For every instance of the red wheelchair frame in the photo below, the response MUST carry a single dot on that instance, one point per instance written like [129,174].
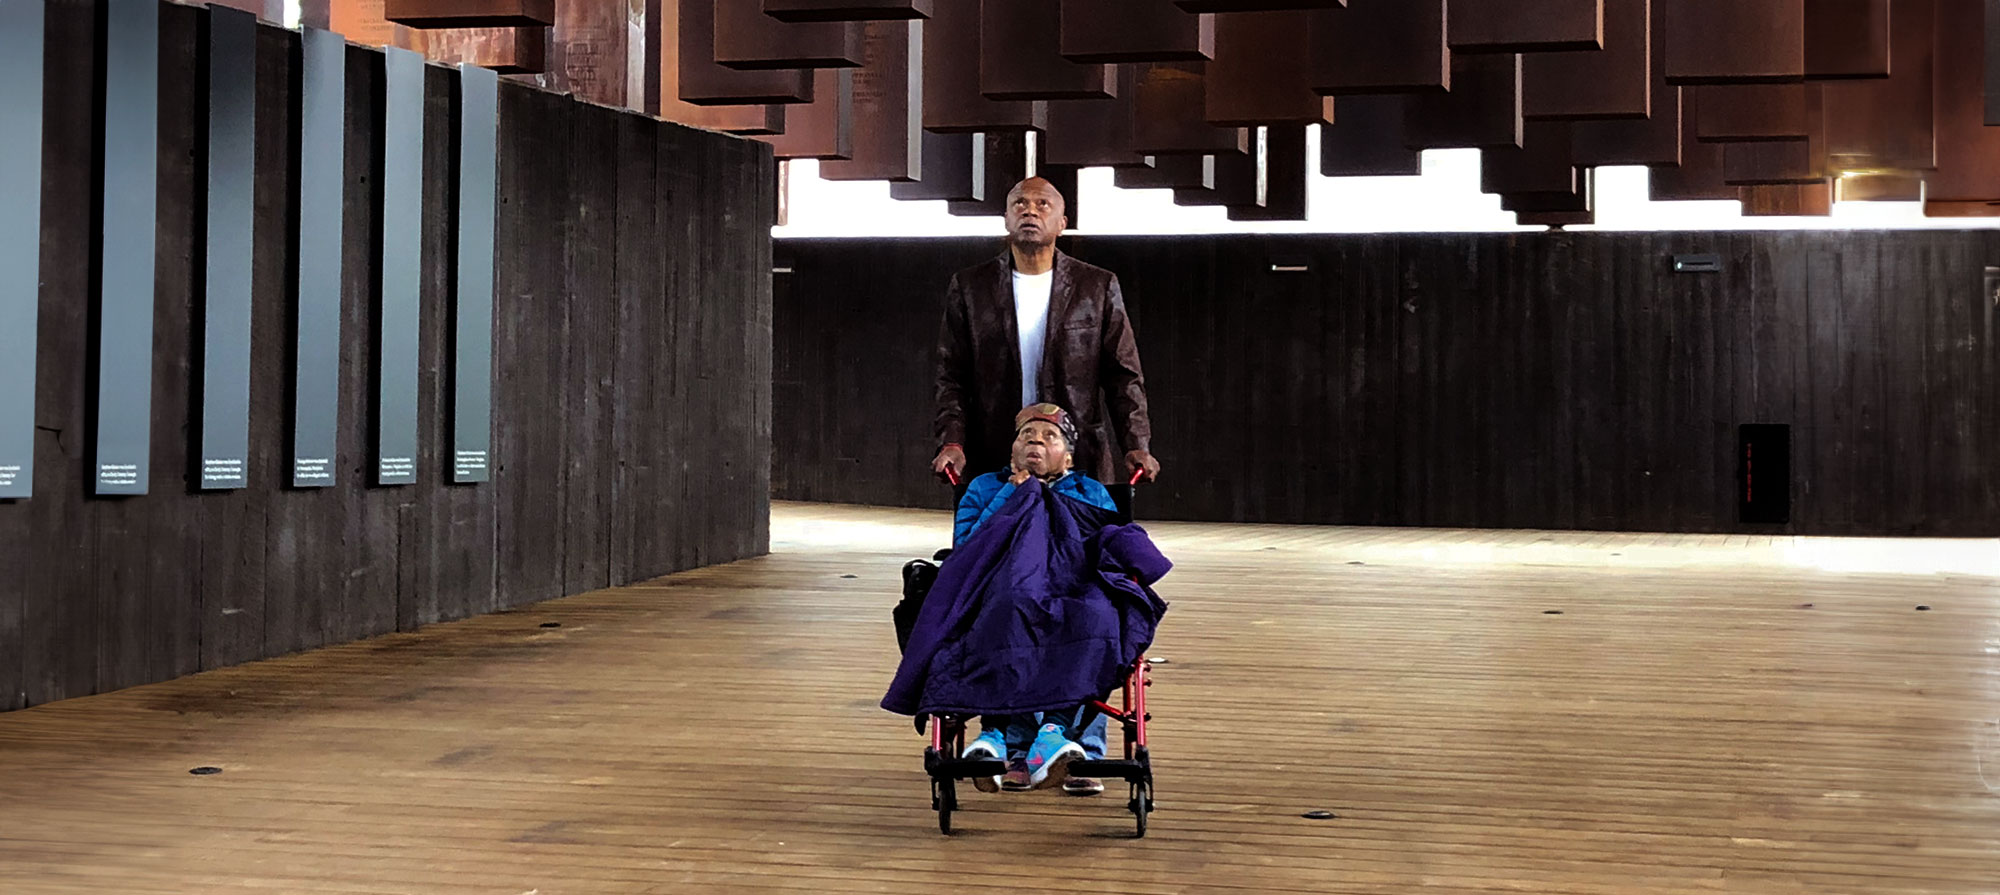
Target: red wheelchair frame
[947,733]
[1136,768]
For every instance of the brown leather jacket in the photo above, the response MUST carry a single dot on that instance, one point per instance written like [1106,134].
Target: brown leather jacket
[1090,366]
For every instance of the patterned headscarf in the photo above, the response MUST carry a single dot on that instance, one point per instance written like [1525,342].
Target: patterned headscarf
[1051,414]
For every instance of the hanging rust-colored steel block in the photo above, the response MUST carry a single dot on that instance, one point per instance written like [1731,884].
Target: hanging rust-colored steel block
[954,170]
[953,102]
[1482,109]
[1736,113]
[1855,187]
[1262,72]
[746,38]
[1802,200]
[1525,26]
[1283,175]
[1020,55]
[1889,123]
[1773,162]
[509,51]
[1093,132]
[1614,82]
[1366,140]
[824,128]
[1968,151]
[1654,141]
[1555,220]
[1170,172]
[845,10]
[470,13]
[1256,5]
[1169,113]
[1735,41]
[1006,164]
[1134,31]
[888,106]
[704,82]
[1699,174]
[1848,38]
[1381,46]
[1544,163]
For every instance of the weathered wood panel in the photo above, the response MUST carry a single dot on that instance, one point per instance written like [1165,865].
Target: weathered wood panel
[588,488]
[1496,380]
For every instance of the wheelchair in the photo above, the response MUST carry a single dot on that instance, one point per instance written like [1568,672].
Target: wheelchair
[947,731]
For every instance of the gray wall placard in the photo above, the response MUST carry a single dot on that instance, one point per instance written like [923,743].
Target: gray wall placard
[402,269]
[131,198]
[232,158]
[472,355]
[21,36]
[322,132]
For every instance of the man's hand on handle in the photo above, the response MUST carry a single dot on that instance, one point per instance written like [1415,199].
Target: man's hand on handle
[950,463]
[1143,464]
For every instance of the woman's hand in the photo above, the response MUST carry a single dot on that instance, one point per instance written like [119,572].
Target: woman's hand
[1018,476]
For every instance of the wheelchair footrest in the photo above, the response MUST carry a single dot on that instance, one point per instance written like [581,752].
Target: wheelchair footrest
[965,768]
[1119,769]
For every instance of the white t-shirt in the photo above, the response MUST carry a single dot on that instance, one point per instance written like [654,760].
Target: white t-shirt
[1031,312]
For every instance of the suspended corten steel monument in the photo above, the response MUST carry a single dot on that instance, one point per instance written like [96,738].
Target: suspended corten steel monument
[1772,102]
[509,51]
[469,13]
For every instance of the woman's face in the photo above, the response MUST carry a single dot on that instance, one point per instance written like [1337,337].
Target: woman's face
[1039,449]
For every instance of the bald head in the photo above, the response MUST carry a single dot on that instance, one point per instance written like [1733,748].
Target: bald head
[1036,186]
[1035,214]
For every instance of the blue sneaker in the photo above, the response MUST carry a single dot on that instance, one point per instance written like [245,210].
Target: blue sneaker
[1049,758]
[992,746]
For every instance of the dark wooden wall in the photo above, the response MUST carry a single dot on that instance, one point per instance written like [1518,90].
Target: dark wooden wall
[631,397]
[1532,381]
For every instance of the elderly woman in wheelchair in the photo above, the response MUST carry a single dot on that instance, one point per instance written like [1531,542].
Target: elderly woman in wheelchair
[1044,606]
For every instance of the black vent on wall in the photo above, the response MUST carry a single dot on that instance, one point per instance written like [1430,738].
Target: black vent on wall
[1764,473]
[1706,263]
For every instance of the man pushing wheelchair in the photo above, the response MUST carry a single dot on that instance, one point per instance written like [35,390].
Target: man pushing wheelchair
[1046,604]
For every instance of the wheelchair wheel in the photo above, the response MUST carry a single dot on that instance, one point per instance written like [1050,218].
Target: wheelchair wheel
[1141,804]
[944,797]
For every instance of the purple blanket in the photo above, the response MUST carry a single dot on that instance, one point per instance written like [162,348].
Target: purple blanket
[1045,607]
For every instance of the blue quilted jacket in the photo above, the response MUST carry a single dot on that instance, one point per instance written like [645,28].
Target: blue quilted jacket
[1047,604]
[989,492]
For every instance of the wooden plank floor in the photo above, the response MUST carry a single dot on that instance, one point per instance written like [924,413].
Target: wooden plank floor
[1686,724]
